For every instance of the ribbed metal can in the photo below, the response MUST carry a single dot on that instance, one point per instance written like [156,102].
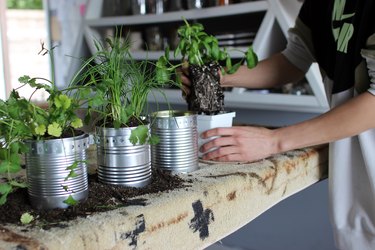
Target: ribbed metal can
[177,150]
[119,161]
[47,169]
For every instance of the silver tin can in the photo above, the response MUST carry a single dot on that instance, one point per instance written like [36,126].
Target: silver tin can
[177,150]
[119,161]
[47,169]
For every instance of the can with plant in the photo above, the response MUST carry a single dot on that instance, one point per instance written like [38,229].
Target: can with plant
[51,140]
[118,110]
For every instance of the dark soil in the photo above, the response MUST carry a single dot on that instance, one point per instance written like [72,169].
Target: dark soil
[101,198]
[206,96]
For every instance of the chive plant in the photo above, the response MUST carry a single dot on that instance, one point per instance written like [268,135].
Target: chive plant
[121,86]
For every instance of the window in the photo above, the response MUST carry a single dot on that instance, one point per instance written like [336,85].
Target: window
[23,30]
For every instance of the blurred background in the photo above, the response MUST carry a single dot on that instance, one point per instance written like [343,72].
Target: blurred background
[298,223]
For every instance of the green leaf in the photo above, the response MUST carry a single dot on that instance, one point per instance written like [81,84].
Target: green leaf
[62,101]
[9,167]
[223,55]
[40,129]
[98,100]
[228,63]
[124,116]
[72,173]
[5,188]
[251,58]
[195,47]
[166,53]
[77,123]
[208,39]
[215,52]
[140,134]
[3,153]
[24,79]
[3,199]
[54,129]
[70,201]
[162,75]
[177,51]
[84,93]
[14,148]
[14,167]
[234,68]
[26,218]
[24,148]
[154,139]
[4,167]
[162,62]
[32,83]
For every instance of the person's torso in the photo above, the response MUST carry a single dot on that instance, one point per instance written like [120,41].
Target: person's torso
[339,31]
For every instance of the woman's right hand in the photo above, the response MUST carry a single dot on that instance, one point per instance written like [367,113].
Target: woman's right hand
[183,74]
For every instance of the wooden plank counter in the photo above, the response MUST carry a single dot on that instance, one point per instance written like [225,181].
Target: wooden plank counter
[221,199]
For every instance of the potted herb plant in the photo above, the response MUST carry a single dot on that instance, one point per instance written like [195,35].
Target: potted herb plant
[205,60]
[53,145]
[121,86]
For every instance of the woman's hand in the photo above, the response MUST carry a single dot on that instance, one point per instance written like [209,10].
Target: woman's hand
[240,144]
[183,75]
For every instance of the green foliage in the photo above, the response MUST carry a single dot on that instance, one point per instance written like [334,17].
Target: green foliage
[70,201]
[21,120]
[120,86]
[26,218]
[25,4]
[198,48]
[39,123]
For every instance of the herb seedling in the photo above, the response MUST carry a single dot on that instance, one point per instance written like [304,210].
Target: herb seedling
[201,53]
[120,86]
[26,218]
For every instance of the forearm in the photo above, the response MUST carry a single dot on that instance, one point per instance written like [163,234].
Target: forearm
[271,72]
[349,119]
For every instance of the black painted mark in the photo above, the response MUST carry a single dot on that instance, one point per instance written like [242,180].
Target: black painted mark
[136,202]
[201,220]
[140,227]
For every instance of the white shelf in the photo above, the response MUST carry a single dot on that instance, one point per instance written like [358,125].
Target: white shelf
[238,99]
[279,16]
[94,20]
[154,55]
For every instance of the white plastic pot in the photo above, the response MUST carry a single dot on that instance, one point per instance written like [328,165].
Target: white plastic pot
[207,122]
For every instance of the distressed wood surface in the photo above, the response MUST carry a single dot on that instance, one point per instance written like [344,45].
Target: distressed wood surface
[220,199]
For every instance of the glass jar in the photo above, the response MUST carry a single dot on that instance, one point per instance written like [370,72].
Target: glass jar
[195,4]
[154,38]
[155,6]
[138,7]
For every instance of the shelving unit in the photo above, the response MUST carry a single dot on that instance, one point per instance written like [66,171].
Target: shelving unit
[276,17]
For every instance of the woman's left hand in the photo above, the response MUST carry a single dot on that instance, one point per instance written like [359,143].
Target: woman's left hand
[240,144]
